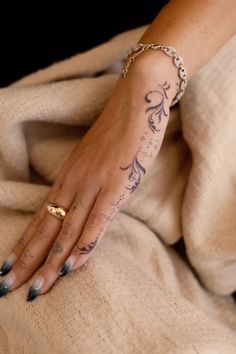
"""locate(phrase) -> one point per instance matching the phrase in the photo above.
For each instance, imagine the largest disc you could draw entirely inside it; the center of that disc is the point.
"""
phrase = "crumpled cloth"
(136, 294)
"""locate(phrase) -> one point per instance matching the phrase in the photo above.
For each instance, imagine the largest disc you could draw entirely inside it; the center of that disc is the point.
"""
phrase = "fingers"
(102, 213)
(23, 240)
(30, 230)
(38, 246)
(83, 228)
(71, 229)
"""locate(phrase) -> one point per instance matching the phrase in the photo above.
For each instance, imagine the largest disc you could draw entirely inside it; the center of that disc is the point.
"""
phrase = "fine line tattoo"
(56, 248)
(136, 169)
(157, 109)
(88, 248)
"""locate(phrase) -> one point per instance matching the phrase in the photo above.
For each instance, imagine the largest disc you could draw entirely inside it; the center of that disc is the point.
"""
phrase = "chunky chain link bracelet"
(171, 52)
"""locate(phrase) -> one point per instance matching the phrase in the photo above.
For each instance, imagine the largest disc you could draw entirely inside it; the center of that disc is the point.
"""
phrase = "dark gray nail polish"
(4, 288)
(5, 268)
(32, 293)
(35, 288)
(65, 269)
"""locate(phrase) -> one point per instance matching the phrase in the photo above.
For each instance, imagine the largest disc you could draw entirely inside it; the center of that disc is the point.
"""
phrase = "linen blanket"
(136, 294)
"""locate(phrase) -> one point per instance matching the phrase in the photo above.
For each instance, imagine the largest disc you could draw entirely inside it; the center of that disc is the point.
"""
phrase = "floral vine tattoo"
(148, 144)
(88, 248)
(135, 173)
(158, 108)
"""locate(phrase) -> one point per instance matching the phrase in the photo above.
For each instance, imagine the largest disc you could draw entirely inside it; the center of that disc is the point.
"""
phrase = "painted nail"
(67, 266)
(7, 264)
(5, 268)
(65, 269)
(5, 286)
(34, 290)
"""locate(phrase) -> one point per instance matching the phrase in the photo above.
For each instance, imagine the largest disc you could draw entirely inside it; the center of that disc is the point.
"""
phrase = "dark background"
(34, 35)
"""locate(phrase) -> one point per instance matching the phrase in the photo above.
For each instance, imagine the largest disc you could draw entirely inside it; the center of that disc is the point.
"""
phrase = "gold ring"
(57, 211)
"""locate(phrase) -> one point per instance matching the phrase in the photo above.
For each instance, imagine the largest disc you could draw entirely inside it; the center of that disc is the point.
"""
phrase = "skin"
(111, 160)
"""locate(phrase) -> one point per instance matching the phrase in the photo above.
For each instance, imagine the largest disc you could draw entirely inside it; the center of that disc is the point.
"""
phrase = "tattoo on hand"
(88, 248)
(147, 145)
(157, 109)
(135, 173)
(56, 248)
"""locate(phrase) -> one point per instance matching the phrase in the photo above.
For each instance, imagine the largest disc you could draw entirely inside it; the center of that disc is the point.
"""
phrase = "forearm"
(197, 29)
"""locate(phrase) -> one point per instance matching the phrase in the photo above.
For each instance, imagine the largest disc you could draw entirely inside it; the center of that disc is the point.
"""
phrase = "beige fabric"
(136, 294)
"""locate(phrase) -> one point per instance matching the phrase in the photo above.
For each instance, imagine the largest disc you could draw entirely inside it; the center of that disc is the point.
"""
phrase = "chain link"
(171, 52)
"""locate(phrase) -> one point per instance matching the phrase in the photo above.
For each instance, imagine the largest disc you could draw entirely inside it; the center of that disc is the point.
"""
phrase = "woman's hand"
(101, 173)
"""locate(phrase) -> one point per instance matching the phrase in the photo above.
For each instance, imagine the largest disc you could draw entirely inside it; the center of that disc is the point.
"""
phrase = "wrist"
(154, 67)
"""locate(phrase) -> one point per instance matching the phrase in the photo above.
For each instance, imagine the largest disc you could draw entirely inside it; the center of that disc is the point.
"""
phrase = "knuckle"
(88, 183)
(55, 189)
(69, 181)
(37, 219)
(27, 254)
(39, 216)
(80, 204)
(43, 229)
(56, 250)
(49, 263)
(112, 179)
(67, 230)
(95, 219)
(48, 270)
(99, 219)
(21, 265)
(21, 242)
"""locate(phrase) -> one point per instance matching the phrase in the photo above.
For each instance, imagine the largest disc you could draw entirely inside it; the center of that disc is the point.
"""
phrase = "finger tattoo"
(148, 144)
(88, 248)
(56, 248)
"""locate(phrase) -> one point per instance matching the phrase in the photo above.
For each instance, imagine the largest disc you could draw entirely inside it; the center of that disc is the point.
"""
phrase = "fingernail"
(65, 269)
(5, 286)
(5, 268)
(7, 264)
(67, 266)
(34, 290)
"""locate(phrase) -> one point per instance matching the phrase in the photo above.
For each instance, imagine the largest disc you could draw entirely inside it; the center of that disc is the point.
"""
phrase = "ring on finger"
(58, 211)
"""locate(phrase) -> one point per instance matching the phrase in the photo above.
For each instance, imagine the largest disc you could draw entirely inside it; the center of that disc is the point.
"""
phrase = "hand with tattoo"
(104, 169)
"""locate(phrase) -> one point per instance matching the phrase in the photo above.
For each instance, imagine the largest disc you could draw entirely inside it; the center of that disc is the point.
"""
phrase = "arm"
(111, 160)
(197, 29)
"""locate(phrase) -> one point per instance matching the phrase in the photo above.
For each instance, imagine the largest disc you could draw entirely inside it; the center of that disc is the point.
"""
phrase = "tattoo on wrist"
(157, 109)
